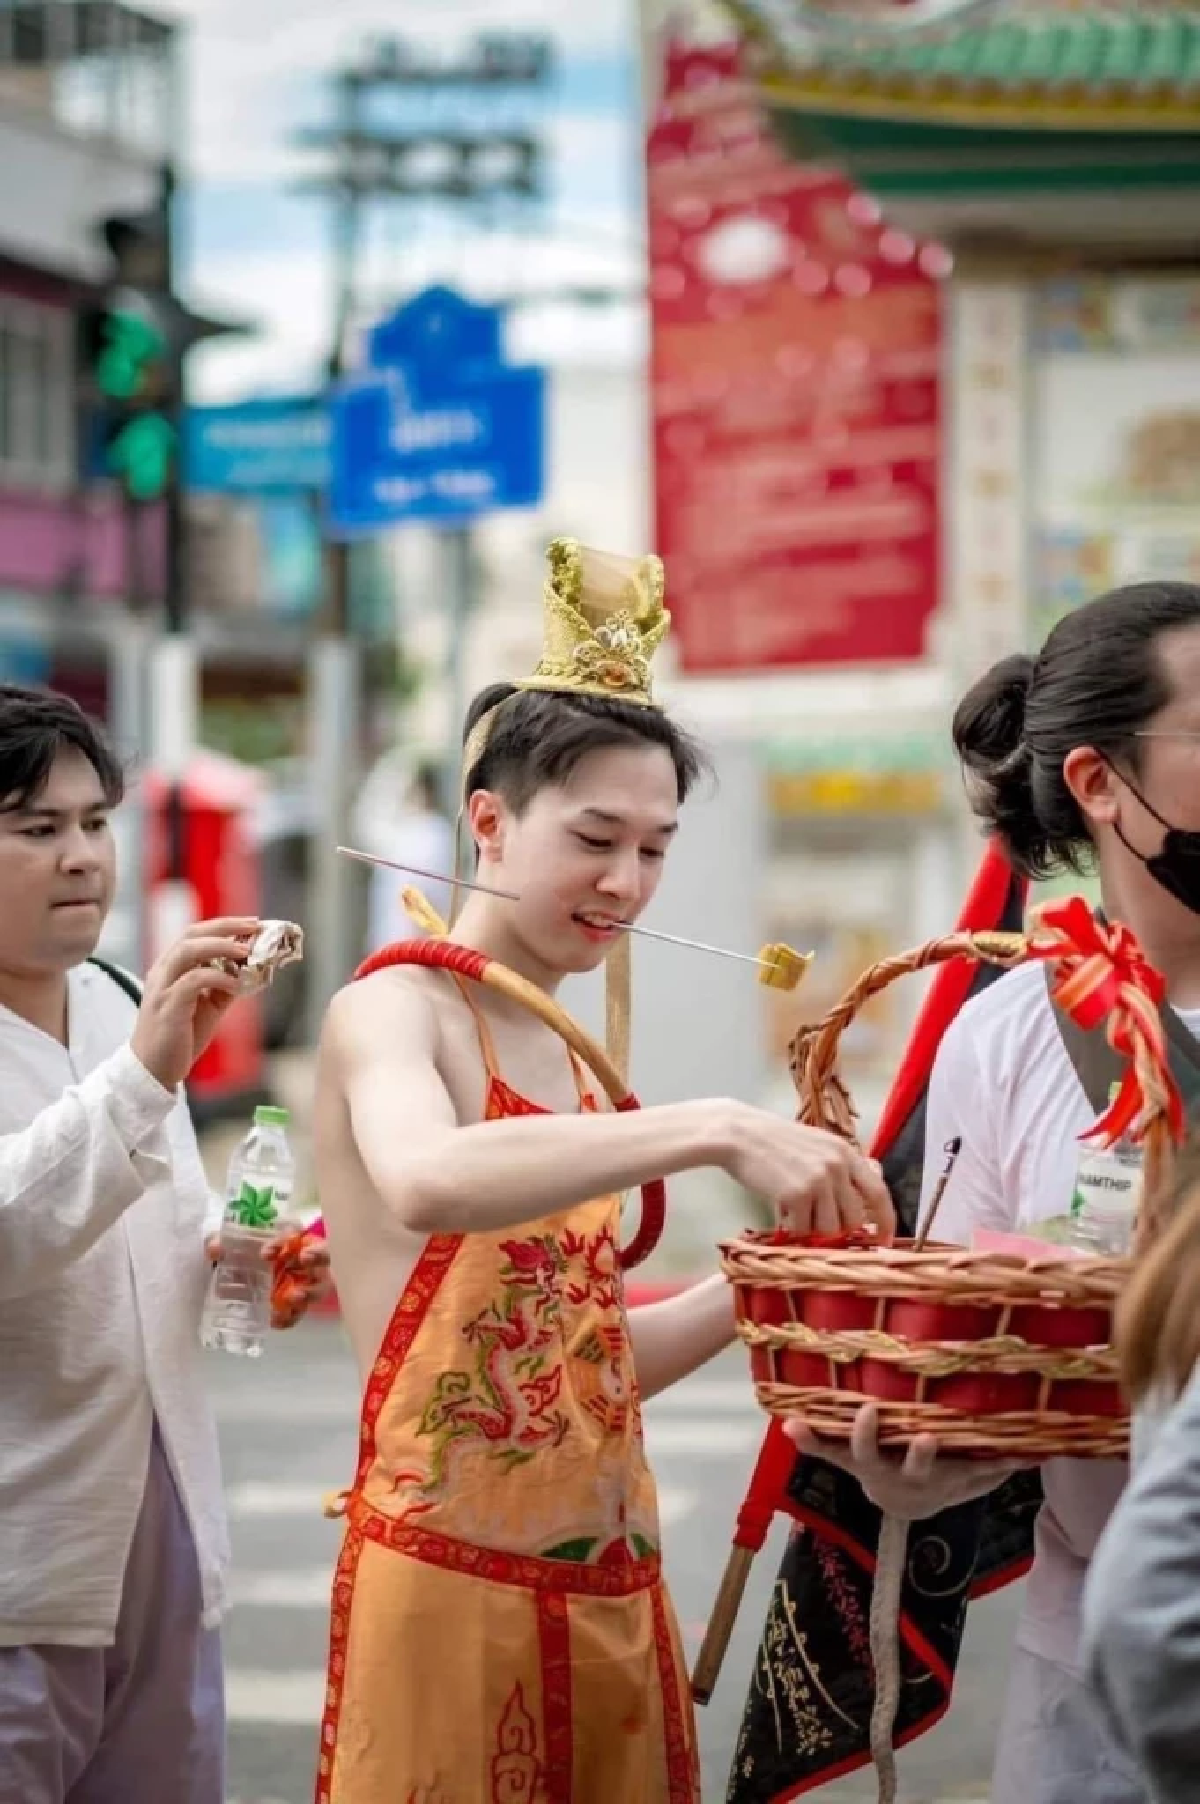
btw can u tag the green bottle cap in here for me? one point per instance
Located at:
(267, 1116)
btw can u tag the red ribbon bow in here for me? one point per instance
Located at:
(1101, 975)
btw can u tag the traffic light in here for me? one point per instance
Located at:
(142, 456)
(131, 338)
(128, 355)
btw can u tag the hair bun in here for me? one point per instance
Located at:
(989, 737)
(989, 722)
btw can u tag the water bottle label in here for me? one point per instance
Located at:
(1106, 1185)
(253, 1206)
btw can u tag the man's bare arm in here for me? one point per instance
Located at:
(438, 1177)
(678, 1336)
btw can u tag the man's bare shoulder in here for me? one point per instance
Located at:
(397, 1007)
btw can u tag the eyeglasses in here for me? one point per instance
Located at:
(1168, 733)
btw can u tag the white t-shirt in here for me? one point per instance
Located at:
(1004, 1082)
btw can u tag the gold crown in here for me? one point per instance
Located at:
(603, 621)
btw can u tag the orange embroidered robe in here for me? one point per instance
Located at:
(501, 1632)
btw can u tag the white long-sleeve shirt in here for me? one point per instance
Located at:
(104, 1209)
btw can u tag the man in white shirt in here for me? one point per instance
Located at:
(112, 1536)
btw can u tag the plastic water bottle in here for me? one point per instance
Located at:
(1108, 1189)
(258, 1197)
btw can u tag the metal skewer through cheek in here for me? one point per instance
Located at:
(779, 967)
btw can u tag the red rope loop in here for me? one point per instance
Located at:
(465, 961)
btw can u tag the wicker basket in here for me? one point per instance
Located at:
(995, 1354)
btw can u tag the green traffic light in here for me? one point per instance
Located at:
(131, 348)
(142, 455)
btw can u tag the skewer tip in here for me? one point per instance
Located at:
(782, 968)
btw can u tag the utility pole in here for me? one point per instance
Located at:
(335, 676)
(174, 662)
(134, 336)
(463, 166)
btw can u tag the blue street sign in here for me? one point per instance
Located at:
(438, 427)
(265, 447)
(437, 329)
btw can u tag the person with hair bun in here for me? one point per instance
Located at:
(1084, 757)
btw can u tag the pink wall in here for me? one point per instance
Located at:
(44, 538)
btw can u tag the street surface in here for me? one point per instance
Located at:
(288, 1431)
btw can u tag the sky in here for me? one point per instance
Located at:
(257, 73)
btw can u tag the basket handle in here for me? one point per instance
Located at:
(465, 961)
(824, 1102)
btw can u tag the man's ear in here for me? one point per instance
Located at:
(487, 817)
(1094, 784)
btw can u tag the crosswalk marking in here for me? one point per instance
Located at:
(716, 1396)
(253, 1409)
(700, 1439)
(282, 1588)
(277, 1699)
(278, 1497)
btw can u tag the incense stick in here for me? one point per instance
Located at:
(483, 889)
(952, 1149)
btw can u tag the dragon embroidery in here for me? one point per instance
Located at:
(510, 1396)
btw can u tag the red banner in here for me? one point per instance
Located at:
(796, 394)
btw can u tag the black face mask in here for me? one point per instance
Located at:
(1176, 864)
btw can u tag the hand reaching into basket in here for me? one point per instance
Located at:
(814, 1182)
(912, 1486)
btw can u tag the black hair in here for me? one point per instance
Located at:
(539, 736)
(36, 725)
(1097, 681)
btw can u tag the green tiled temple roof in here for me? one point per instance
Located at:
(1134, 68)
(1051, 52)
